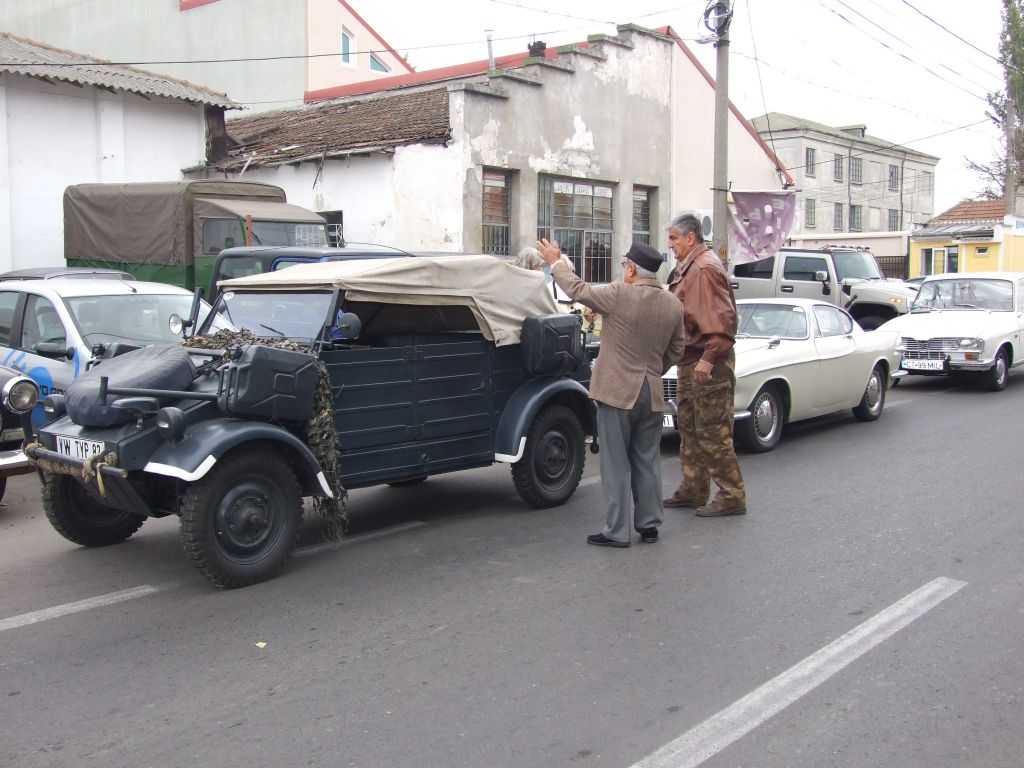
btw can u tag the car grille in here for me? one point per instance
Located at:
(930, 349)
(671, 386)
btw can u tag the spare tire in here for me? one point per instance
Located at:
(158, 367)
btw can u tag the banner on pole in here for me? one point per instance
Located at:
(759, 224)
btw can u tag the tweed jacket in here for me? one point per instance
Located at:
(641, 336)
(702, 284)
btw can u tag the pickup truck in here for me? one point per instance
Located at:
(848, 278)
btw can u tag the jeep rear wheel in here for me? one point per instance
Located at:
(552, 462)
(78, 517)
(240, 523)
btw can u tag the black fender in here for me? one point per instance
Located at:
(203, 444)
(526, 402)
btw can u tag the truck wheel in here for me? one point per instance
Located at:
(239, 524)
(552, 464)
(871, 322)
(78, 517)
(871, 404)
(763, 429)
(996, 376)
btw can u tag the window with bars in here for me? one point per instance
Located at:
(810, 161)
(837, 217)
(497, 212)
(641, 215)
(856, 218)
(578, 216)
(810, 209)
(894, 220)
(837, 167)
(894, 177)
(856, 170)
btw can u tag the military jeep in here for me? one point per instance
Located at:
(321, 378)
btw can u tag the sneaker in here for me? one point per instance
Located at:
(648, 535)
(718, 509)
(600, 540)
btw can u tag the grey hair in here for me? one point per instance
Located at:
(528, 258)
(643, 272)
(687, 223)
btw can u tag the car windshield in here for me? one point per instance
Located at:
(787, 321)
(965, 293)
(859, 265)
(139, 318)
(274, 314)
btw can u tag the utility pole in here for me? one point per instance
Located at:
(717, 18)
(1010, 183)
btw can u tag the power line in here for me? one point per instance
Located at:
(954, 34)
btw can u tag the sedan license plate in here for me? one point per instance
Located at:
(78, 448)
(668, 422)
(924, 365)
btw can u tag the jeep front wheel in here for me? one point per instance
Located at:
(240, 523)
(552, 463)
(78, 517)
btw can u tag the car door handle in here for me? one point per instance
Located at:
(786, 289)
(735, 286)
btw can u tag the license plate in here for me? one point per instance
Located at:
(78, 448)
(924, 365)
(668, 422)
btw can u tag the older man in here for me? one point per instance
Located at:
(641, 336)
(707, 379)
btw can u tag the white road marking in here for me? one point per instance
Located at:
(57, 611)
(735, 721)
(329, 545)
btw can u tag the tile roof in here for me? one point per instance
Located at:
(338, 128)
(974, 210)
(20, 56)
(780, 122)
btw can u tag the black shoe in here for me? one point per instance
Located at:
(649, 535)
(600, 540)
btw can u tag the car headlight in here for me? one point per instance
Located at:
(971, 344)
(21, 394)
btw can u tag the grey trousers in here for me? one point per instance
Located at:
(630, 465)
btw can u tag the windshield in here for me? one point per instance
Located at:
(137, 318)
(856, 264)
(219, 234)
(965, 294)
(277, 314)
(786, 321)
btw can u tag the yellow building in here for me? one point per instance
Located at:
(972, 236)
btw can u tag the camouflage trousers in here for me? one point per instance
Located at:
(705, 420)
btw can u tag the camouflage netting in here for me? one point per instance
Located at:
(318, 432)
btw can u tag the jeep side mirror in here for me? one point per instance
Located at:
(822, 277)
(347, 325)
(54, 350)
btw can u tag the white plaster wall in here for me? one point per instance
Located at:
(57, 135)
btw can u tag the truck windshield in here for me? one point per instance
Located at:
(858, 265)
(273, 314)
(139, 318)
(219, 234)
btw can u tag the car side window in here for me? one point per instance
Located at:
(832, 322)
(8, 302)
(757, 269)
(803, 267)
(41, 324)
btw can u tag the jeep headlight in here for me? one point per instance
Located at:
(21, 394)
(969, 343)
(896, 299)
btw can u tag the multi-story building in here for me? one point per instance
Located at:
(265, 54)
(848, 181)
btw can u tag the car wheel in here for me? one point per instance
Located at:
(871, 322)
(763, 429)
(873, 400)
(552, 462)
(997, 375)
(239, 524)
(78, 517)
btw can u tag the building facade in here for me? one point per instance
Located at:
(584, 144)
(848, 181)
(264, 54)
(972, 236)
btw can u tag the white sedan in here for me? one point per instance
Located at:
(964, 323)
(801, 358)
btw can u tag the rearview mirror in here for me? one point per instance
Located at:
(822, 277)
(54, 350)
(347, 325)
(774, 341)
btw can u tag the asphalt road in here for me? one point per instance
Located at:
(866, 612)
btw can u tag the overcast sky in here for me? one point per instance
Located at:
(838, 62)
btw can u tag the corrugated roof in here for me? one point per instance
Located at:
(21, 56)
(340, 127)
(973, 210)
(780, 122)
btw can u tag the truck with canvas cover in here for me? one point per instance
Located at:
(323, 377)
(172, 232)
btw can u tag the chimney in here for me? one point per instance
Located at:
(536, 49)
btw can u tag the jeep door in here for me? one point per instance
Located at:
(798, 281)
(754, 280)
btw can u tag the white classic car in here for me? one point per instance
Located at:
(964, 323)
(797, 359)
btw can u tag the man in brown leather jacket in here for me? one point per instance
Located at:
(707, 379)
